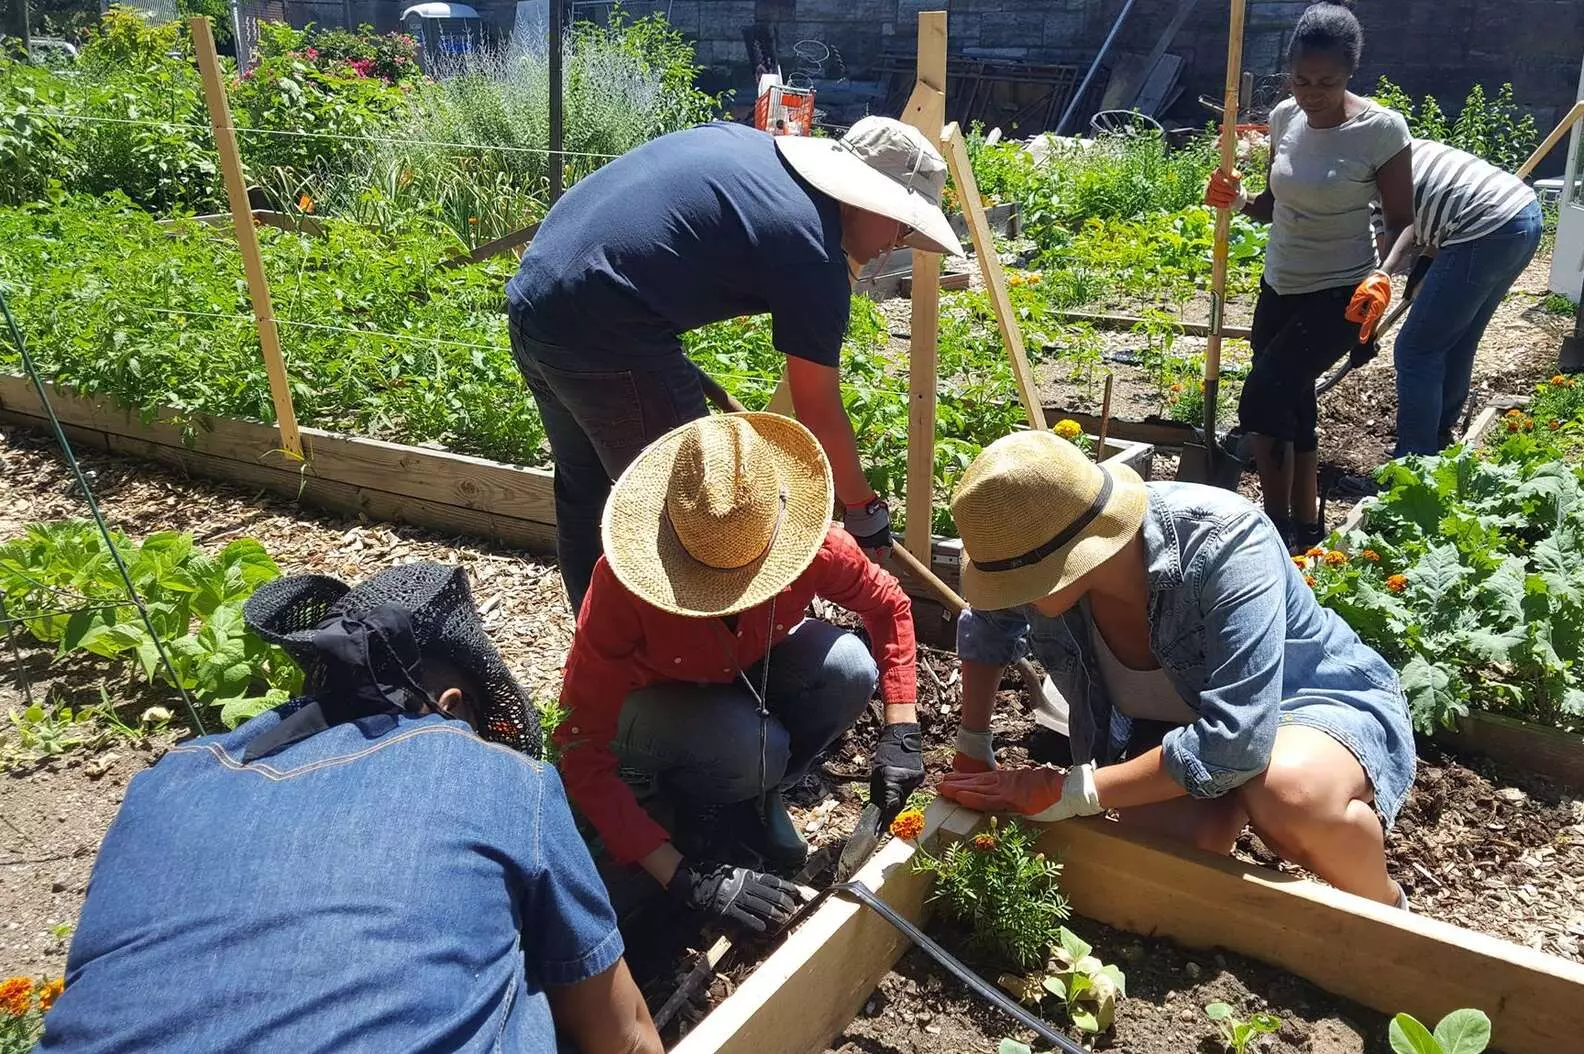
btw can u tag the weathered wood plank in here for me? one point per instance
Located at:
(1386, 959)
(1521, 745)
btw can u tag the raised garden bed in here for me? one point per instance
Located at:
(806, 992)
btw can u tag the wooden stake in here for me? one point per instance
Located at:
(1223, 229)
(1551, 140)
(956, 152)
(247, 237)
(1105, 420)
(926, 111)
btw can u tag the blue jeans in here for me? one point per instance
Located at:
(599, 416)
(702, 740)
(1435, 350)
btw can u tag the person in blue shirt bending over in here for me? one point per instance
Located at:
(1208, 688)
(382, 864)
(694, 227)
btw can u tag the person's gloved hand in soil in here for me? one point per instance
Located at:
(1043, 794)
(761, 902)
(1369, 304)
(897, 769)
(1225, 191)
(870, 524)
(975, 752)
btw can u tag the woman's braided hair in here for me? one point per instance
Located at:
(1328, 26)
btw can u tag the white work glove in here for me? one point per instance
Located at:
(975, 751)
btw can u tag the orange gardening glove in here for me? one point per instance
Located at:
(1226, 191)
(1042, 794)
(1369, 304)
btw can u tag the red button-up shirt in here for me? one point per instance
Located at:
(624, 643)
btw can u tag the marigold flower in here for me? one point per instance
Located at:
(1336, 558)
(908, 825)
(1301, 563)
(983, 843)
(16, 995)
(1068, 429)
(50, 992)
(1314, 550)
(1176, 387)
(1397, 583)
(1371, 555)
(1554, 424)
(1560, 380)
(472, 221)
(1309, 580)
(305, 203)
(1515, 412)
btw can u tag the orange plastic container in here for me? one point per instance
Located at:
(785, 111)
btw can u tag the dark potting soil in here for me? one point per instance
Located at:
(919, 1008)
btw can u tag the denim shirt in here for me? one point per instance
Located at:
(393, 883)
(1239, 634)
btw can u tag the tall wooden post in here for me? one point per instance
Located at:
(557, 101)
(1223, 230)
(247, 237)
(926, 111)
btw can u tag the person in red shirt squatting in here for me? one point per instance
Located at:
(694, 666)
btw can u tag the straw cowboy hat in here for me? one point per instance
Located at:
(719, 515)
(1035, 515)
(883, 166)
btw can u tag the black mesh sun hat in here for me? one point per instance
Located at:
(289, 612)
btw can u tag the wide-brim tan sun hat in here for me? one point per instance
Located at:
(1035, 515)
(882, 166)
(719, 515)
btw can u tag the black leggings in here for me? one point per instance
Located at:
(1296, 338)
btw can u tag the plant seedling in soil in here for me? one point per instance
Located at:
(1087, 987)
(1006, 891)
(1240, 1035)
(1012, 1046)
(1460, 1032)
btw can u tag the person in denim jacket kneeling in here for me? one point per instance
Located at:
(1208, 688)
(379, 865)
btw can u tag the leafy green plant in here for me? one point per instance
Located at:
(1087, 988)
(1012, 1046)
(1240, 1035)
(1003, 889)
(62, 584)
(1494, 129)
(1557, 304)
(1460, 1032)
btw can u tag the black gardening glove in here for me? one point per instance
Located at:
(870, 525)
(735, 894)
(897, 770)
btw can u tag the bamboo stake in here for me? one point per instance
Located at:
(926, 111)
(1223, 230)
(1105, 420)
(247, 237)
(1551, 140)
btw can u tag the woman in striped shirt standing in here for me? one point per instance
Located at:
(1482, 225)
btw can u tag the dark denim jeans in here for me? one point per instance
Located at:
(598, 417)
(702, 740)
(1435, 350)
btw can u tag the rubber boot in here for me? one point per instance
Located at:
(771, 834)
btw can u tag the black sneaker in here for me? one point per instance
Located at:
(1352, 487)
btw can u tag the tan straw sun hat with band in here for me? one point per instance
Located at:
(882, 166)
(719, 515)
(1035, 515)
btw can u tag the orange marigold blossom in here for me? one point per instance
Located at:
(1397, 583)
(305, 203)
(1309, 580)
(1336, 558)
(1301, 563)
(1314, 550)
(983, 843)
(50, 991)
(1562, 380)
(908, 825)
(1515, 412)
(1371, 555)
(16, 995)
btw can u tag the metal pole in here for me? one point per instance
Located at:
(557, 118)
(1094, 68)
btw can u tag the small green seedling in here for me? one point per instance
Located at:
(1089, 987)
(1012, 1046)
(1460, 1032)
(1238, 1034)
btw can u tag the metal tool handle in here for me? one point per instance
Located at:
(987, 991)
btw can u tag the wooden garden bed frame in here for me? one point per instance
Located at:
(804, 994)
(1520, 745)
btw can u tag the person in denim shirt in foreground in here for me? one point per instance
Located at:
(357, 870)
(1208, 688)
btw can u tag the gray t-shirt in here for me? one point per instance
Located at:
(1323, 180)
